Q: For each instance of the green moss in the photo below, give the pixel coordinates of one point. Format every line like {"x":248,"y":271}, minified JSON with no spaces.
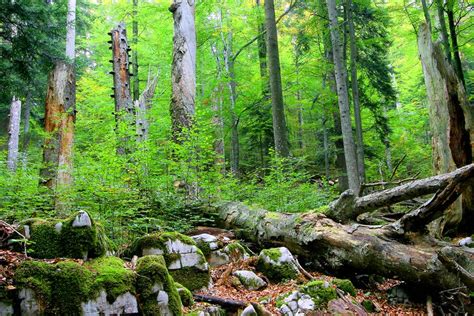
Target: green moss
{"x":273,"y":215}
{"x":152,"y":270}
{"x":112,"y":276}
{"x":320,"y":291}
{"x":45,"y":240}
{"x":191,"y":278}
{"x":78,"y":242}
{"x":345,"y":285}
{"x":280,"y":301}
{"x":277,"y":271}
{"x":60,"y":288}
{"x":205,"y":248}
{"x":368,"y":306}
{"x":185,"y":295}
{"x":156,"y":240}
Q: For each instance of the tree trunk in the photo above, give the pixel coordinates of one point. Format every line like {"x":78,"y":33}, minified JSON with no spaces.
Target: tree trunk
{"x":60,"y":115}
{"x":124,"y":108}
{"x":278,"y":111}
{"x":136,"y":80}
{"x":299,"y":104}
{"x":71,"y":30}
{"x":347,"y":207}
{"x":347,"y":249}
{"x":426,"y":13}
{"x":26,"y":123}
{"x":13,"y":134}
{"x":451,"y":119}
{"x":142,"y":107}
{"x":443,"y":31}
{"x":343,"y":99}
{"x":183,"y":73}
{"x":454,"y":41}
{"x":262,"y":54}
{"x":217,"y":118}
{"x":355,"y":93}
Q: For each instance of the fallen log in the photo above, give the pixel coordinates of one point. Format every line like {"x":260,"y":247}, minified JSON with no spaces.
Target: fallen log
{"x":226,"y":303}
{"x":342,"y":249}
{"x":348,"y":206}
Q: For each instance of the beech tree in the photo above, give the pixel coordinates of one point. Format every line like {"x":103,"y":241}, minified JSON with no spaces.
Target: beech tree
{"x":14,"y":134}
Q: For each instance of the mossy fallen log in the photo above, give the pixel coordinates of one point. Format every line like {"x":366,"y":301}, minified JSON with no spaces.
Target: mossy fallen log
{"x":349,"y":248}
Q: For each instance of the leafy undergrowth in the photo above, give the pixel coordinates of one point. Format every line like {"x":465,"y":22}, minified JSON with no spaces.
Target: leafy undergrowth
{"x":224,"y":288}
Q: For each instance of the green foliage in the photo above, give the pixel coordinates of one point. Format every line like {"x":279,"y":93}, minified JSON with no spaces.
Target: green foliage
{"x":185,"y":295}
{"x":320,"y":291}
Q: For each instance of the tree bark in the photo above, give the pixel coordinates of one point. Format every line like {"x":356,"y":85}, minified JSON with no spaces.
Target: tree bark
{"x":343,"y":100}
{"x":347,"y":249}
{"x":278,"y":111}
{"x":217,"y":118}
{"x":143,"y":106}
{"x":60,"y":116}
{"x":71,"y":30}
{"x":136,"y":80}
{"x":347,"y":207}
{"x":443,"y":31}
{"x":183,"y":73}
{"x":451,"y":121}
{"x":124,"y":108}
{"x":13,"y":134}
{"x":355,"y":92}
{"x":454,"y":41}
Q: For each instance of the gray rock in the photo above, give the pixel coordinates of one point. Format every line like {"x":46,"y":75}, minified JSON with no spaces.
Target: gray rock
{"x":82,"y":220}
{"x":163,"y":303}
{"x":467,"y":242}
{"x":123,"y":304}
{"x":6,"y":309}
{"x":297,"y":303}
{"x":343,"y":307}
{"x":152,"y":251}
{"x":250,"y":280}
{"x":28,"y":303}
{"x":212,"y":311}
{"x":58,"y":227}
{"x":218,"y":258}
{"x":211,"y":240}
{"x":249,"y":311}
{"x":277,"y":264}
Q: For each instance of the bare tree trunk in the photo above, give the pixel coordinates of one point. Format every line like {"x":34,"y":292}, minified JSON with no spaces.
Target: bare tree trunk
{"x":426,"y":13}
{"x":71,"y":30}
{"x":26,"y":123}
{"x":343,"y":99}
{"x":279,"y":123}
{"x":142,"y":107}
{"x":344,"y":249}
{"x":60,"y":115}
{"x":217,"y":119}
{"x":136,"y":80}
{"x":13,"y":134}
{"x":451,"y":119}
{"x":298,"y":99}
{"x":124,"y":108}
{"x":183,"y":73}
{"x":355,"y":93}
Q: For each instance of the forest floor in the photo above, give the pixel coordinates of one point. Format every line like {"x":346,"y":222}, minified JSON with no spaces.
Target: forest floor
{"x":224,"y":288}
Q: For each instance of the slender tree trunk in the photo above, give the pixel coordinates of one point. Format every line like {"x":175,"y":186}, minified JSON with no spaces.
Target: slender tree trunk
{"x":355,"y":92}
{"x":183,"y":73}
{"x":278,"y":111}
{"x":454,"y":41}
{"x":262,"y":54}
{"x":343,"y":99}
{"x":60,"y":115}
{"x":299,"y":104}
{"x":217,"y":119}
{"x":124,"y":108}
{"x":136,"y":80}
{"x":426,"y":13}
{"x":443,"y":31}
{"x":451,"y":122}
{"x":14,"y":134}
{"x":26,"y":125}
{"x":71,"y":30}
{"x":143,"y":106}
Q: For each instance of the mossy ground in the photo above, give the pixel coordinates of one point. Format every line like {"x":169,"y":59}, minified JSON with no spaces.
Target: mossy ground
{"x":320,"y":291}
{"x":191,"y":278}
{"x":345,"y":285}
{"x":152,"y":270}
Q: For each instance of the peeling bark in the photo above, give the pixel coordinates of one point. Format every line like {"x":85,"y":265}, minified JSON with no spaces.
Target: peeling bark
{"x":343,"y":249}
{"x":14,"y":134}
{"x":183,"y":73}
{"x":60,"y":116}
{"x":142,"y":107}
{"x":451,"y":121}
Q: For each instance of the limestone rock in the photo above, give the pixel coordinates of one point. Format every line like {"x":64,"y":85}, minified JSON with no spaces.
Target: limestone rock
{"x":277,"y":264}
{"x":233,"y":251}
{"x":123,"y":304}
{"x":209,"y":239}
{"x":345,"y":308}
{"x":82,"y":219}
{"x":6,"y":309}
{"x":249,"y":311}
{"x":250,"y":280}
{"x":296,"y":303}
{"x":29,"y":305}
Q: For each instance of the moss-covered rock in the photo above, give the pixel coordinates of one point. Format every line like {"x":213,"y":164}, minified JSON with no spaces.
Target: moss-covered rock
{"x":345,"y":285}
{"x":64,"y":287}
{"x":277,"y":264}
{"x":184,"y":260}
{"x":368,"y":306}
{"x":76,"y":237}
{"x":157,"y":291}
{"x":185,"y":295}
{"x":250,"y":280}
{"x":320,"y":291}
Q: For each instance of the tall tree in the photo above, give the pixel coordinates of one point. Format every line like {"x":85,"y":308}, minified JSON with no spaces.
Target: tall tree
{"x":14,"y":134}
{"x":280,"y":132}
{"x":136,"y":80}
{"x":454,"y":41}
{"x":60,"y":115}
{"x":183,"y":73}
{"x":343,"y":100}
{"x":355,"y":91}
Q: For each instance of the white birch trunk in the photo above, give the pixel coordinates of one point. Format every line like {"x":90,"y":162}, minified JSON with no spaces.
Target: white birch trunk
{"x":14,"y":134}
{"x":71,"y":30}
